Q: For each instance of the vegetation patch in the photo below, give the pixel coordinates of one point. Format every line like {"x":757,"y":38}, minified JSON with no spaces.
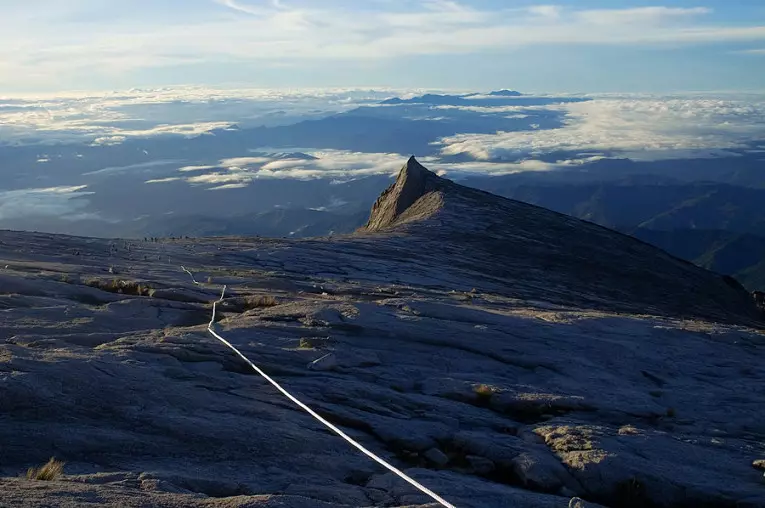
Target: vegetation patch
{"x":485,"y":392}
{"x":121,"y":287}
{"x":259,"y":302}
{"x":307,"y":343}
{"x":50,"y":471}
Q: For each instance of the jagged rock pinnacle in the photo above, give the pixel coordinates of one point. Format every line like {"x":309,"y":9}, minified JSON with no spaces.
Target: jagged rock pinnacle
{"x":413,"y":182}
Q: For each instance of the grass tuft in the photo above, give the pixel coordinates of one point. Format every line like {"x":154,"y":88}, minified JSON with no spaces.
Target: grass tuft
{"x":48,"y":472}
{"x":259,"y":302}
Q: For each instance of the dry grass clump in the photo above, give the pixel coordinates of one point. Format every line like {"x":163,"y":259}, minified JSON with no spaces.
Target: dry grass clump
{"x":484,"y":391}
{"x":259,"y":302}
{"x":47,"y":472}
{"x":628,"y":430}
{"x":121,"y":287}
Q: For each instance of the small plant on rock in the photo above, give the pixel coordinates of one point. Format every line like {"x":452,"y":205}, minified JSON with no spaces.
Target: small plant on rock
{"x":484,"y":392}
{"x":47,"y":472}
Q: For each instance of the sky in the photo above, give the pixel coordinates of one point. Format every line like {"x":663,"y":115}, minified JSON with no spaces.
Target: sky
{"x":53,"y":46}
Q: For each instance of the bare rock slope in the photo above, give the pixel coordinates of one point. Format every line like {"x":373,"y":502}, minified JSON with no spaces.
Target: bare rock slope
{"x":502,"y":354}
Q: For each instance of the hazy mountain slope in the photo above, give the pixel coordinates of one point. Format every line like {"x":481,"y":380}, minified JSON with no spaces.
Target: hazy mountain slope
{"x":653,"y":206}
{"x":502,"y":354}
{"x":282,"y":222}
{"x":716,"y":226}
{"x":739,"y":255}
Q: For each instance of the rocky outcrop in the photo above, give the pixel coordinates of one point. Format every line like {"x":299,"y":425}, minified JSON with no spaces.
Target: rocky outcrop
{"x":499,"y":353}
{"x":399,"y":202}
{"x":572,"y":261}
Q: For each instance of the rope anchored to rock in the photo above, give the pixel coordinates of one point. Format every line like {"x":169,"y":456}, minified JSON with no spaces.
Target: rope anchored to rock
{"x":304,"y":407}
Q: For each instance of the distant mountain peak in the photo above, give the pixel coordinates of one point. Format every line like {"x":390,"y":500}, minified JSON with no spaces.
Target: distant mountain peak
{"x":517,"y":241}
{"x":413,"y":182}
{"x":505,"y":93}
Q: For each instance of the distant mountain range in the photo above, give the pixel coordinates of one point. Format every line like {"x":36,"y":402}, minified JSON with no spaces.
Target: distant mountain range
{"x":496,"y":98}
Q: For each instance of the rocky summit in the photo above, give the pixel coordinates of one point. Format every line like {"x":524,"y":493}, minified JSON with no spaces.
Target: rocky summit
{"x":501,"y":354}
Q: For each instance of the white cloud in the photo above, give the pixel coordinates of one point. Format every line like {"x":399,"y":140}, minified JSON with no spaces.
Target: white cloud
{"x":340,"y":165}
{"x":238,"y":162}
{"x":327,"y":164}
{"x":638,"y":128}
{"x":164,"y":180}
{"x":275,"y":34}
{"x":134,"y":167}
{"x":757,"y":52}
{"x":107,"y":118}
{"x":546,"y":11}
{"x":196,"y":168}
{"x":639,"y":16}
{"x":230,"y":186}
{"x":109,"y":140}
{"x":52,"y":201}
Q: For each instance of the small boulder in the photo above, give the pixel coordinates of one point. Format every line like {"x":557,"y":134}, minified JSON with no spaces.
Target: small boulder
{"x":437,"y":457}
{"x":481,"y":465}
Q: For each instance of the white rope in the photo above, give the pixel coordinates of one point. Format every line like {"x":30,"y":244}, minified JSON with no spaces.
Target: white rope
{"x":313,"y":413}
{"x":190,"y":275}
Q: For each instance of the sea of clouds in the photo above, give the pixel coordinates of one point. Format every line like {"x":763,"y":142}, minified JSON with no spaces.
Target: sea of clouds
{"x":111,"y":117}
{"x":634,"y":127}
{"x":638,"y":127}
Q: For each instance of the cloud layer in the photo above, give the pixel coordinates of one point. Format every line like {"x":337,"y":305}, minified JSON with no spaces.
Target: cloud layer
{"x":637,"y":128}
{"x":341,"y":166}
{"x":328,"y":164}
{"x":110,"y":118}
{"x":61,"y":202}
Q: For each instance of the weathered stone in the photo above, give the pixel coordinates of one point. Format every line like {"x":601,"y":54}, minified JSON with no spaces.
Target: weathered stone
{"x":326,"y":362}
{"x":480,"y":465}
{"x":436,"y":457}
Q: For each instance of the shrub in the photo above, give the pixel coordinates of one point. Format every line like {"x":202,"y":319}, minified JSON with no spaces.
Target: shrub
{"x":48,"y":472}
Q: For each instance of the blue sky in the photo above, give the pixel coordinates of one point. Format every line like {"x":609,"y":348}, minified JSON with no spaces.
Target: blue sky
{"x":49,"y":46}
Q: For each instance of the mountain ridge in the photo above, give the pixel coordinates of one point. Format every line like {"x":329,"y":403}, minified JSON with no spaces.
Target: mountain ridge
{"x":424,"y":205}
